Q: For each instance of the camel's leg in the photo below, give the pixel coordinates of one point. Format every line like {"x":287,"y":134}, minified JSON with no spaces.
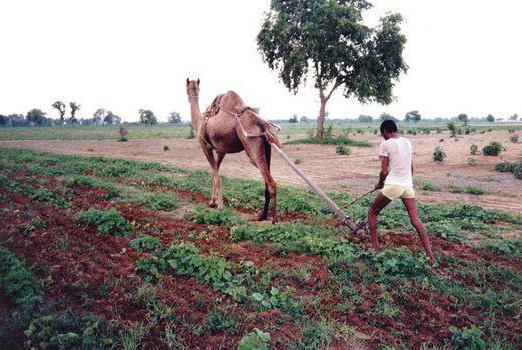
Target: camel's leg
{"x":259,"y":151}
{"x":219,"y":188}
{"x":209,"y":153}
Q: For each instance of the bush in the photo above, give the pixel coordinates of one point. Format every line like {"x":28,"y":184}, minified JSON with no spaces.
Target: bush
{"x":493,"y":149}
{"x":505,"y":167}
{"x":474,"y":149}
{"x":166,"y":148}
{"x":343,"y":150}
{"x":106,"y":221}
{"x":145,"y":243}
{"x":514,"y":139}
{"x":438,"y":155}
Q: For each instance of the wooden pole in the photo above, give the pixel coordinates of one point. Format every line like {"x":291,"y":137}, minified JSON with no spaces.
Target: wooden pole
{"x":342,"y":216}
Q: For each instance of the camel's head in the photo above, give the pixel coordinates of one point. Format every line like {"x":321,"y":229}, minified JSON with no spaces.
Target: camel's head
{"x":192,"y":88}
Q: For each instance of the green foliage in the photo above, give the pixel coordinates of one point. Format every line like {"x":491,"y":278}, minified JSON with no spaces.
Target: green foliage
{"x":509,"y":247}
{"x":341,"y":140}
{"x":161,"y":201}
{"x":314,"y":337}
{"x":438,"y":155}
{"x":68,"y":331}
{"x":106,"y":221}
{"x":505,"y":167}
{"x":145,"y":243}
{"x":397,"y":262}
{"x":17,"y":281}
{"x":216,"y":321}
{"x":474,"y":149}
{"x":428,"y":186}
{"x":468,"y":189}
{"x":343,"y":150}
{"x":93,"y":182}
{"x":514,"y":139}
{"x":467,"y":338}
{"x":205,"y":215}
{"x":147,"y":117}
{"x":493,"y":149}
{"x":255,"y":340}
{"x":453,"y":129}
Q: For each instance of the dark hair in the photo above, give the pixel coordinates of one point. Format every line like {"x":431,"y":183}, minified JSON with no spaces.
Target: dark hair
{"x":389,"y":126}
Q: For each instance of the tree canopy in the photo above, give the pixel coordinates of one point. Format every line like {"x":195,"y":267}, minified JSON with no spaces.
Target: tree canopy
{"x":328,"y":39}
{"x":463,"y":118}
{"x":147,"y":117}
{"x":412,"y":116}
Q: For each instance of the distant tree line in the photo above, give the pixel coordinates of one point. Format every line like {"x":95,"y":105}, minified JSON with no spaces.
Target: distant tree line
{"x":36,"y":117}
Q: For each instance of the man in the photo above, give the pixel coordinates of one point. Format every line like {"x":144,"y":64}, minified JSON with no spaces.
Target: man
{"x":396,"y":181}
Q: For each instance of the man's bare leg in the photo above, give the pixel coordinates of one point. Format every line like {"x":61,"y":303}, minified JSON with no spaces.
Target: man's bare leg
{"x":411,"y":207}
{"x":379,"y":203}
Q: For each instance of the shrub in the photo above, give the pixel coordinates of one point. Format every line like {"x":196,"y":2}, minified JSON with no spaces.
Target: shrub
{"x":297,"y":161}
{"x":505,"y":167}
{"x":475,"y":190}
{"x":493,"y":149}
{"x":166,"y":148}
{"x":428,"y":186}
{"x":106,"y":221}
{"x":438,"y":155}
{"x":145,"y":243}
{"x":255,"y":340}
{"x":160,"y":201}
{"x":343,"y":150}
{"x":514,"y":139}
{"x":474,"y":149}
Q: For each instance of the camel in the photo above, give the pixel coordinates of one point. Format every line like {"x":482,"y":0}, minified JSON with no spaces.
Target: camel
{"x":229,"y":126}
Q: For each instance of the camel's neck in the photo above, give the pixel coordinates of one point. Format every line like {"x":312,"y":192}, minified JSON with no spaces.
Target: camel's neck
{"x":195,"y":114}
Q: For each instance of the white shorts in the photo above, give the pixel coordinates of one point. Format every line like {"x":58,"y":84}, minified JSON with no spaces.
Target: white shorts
{"x":397,"y":191}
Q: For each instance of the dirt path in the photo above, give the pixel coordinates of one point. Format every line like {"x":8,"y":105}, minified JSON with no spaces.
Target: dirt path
{"x":355,"y":173}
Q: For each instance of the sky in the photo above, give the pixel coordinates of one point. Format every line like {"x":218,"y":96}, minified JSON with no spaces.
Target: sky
{"x":464,"y":57}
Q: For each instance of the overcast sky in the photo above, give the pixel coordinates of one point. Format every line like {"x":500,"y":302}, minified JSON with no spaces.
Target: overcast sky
{"x":465,"y":56}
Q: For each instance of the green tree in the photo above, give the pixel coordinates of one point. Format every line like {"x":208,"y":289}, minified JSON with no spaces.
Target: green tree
{"x":174,"y":118}
{"x":36,"y":117}
{"x":386,"y":116}
{"x":490,"y":118}
{"x":514,"y":117}
{"x":147,"y":117}
{"x":412,"y":116}
{"x":4,"y":120}
{"x":60,"y":107}
{"x":294,"y":119}
{"x":74,"y":108}
{"x":99,"y":116}
{"x":365,"y":118}
{"x":304,"y":119}
{"x":328,"y":39}
{"x":463,"y":118}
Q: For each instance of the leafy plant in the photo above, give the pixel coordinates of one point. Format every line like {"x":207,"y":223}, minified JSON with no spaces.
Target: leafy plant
{"x":204,"y":215}
{"x":255,"y":340}
{"x":145,"y":243}
{"x":474,"y":149}
{"x":438,"y":154}
{"x":428,"y":186}
{"x":106,"y":221}
{"x":18,"y":282}
{"x":216,"y":321}
{"x":467,"y":338}
{"x":161,"y":201}
{"x":514,"y":139}
{"x":493,"y":149}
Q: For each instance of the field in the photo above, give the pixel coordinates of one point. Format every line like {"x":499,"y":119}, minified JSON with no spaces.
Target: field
{"x":109,"y":244}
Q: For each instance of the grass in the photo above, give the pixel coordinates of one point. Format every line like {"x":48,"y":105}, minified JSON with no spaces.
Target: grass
{"x":330,"y":141}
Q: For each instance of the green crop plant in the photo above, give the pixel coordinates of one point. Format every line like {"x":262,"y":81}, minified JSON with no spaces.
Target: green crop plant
{"x":161,"y":201}
{"x":205,"y":215}
{"x":428,"y":186}
{"x":467,"y":338}
{"x":145,"y":244}
{"x":474,"y":149}
{"x":438,"y":155}
{"x":217,"y":321}
{"x":17,"y":281}
{"x":343,"y":150}
{"x":105,"y":221}
{"x":255,"y":340}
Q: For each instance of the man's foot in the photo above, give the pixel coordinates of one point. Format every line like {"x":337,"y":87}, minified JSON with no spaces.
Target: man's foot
{"x":261,"y":215}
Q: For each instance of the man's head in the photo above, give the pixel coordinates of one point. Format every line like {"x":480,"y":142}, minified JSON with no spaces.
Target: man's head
{"x":388,"y":129}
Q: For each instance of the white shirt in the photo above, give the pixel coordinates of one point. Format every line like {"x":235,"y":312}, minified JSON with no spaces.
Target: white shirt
{"x":399,"y":153}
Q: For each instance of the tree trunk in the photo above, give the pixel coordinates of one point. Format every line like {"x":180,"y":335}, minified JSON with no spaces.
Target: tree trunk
{"x":322,"y":114}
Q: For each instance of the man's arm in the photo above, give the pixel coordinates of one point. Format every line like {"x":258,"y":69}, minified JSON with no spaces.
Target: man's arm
{"x":383,"y":173}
